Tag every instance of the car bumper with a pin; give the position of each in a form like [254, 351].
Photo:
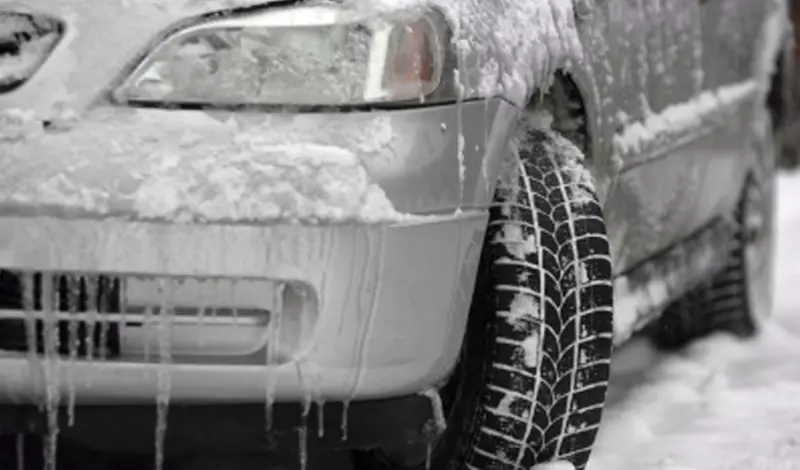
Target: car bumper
[368, 309]
[383, 307]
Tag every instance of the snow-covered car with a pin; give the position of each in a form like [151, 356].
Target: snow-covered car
[411, 229]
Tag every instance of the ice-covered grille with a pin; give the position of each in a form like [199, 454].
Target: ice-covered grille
[112, 316]
[74, 295]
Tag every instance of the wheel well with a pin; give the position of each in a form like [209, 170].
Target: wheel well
[565, 103]
[776, 103]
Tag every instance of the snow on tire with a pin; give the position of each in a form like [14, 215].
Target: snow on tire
[552, 295]
[531, 382]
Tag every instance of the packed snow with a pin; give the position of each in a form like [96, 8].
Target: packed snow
[721, 403]
[676, 120]
[236, 172]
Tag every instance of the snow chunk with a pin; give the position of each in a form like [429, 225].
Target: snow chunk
[302, 181]
[504, 406]
[236, 171]
[531, 347]
[516, 243]
[560, 465]
[523, 306]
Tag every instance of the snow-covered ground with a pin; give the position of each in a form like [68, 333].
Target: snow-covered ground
[721, 404]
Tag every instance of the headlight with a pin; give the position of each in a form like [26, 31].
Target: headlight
[301, 56]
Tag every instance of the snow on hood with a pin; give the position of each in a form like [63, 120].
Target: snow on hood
[234, 171]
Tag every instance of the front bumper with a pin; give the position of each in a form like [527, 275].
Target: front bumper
[385, 307]
[372, 309]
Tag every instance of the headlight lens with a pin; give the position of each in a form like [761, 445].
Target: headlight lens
[306, 56]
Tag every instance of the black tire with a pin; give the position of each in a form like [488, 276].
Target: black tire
[531, 384]
[737, 299]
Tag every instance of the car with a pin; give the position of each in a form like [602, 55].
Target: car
[413, 231]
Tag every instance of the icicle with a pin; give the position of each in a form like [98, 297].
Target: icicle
[30, 318]
[91, 314]
[102, 307]
[201, 321]
[437, 409]
[235, 312]
[123, 309]
[148, 331]
[345, 410]
[20, 450]
[165, 322]
[201, 315]
[303, 432]
[273, 349]
[302, 435]
[73, 297]
[320, 417]
[51, 367]
[428, 453]
[368, 324]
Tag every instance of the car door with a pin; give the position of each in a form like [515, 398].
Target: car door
[733, 32]
[646, 57]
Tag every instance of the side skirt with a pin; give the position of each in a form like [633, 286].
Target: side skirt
[643, 292]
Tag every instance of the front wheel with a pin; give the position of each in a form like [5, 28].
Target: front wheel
[531, 382]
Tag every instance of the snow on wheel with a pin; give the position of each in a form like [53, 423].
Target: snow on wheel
[739, 297]
[531, 382]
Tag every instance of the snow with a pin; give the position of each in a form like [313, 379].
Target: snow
[722, 403]
[516, 243]
[531, 347]
[237, 173]
[676, 120]
[511, 47]
[553, 466]
[522, 306]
